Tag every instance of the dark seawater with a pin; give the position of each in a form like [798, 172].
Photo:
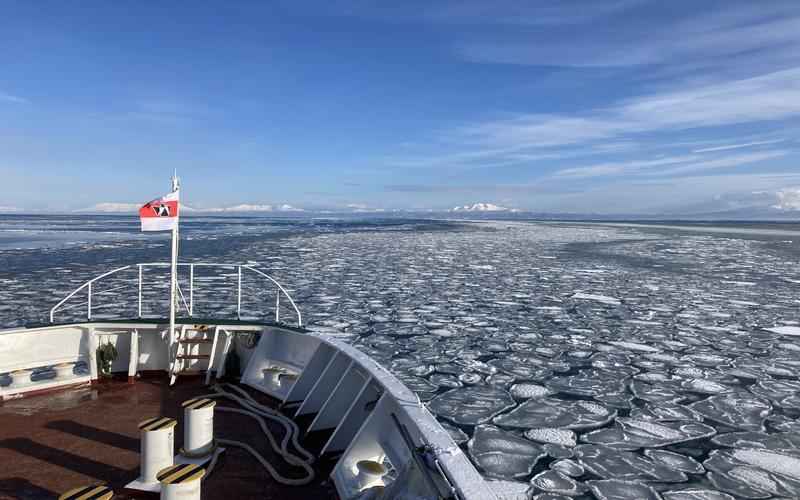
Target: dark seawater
[570, 355]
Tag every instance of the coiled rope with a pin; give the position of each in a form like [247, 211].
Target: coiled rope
[252, 408]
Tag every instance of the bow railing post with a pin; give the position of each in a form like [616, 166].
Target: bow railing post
[239, 295]
[277, 306]
[89, 303]
[140, 290]
[191, 290]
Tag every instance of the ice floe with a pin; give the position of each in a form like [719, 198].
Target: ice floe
[632, 434]
[696, 494]
[555, 413]
[785, 330]
[552, 481]
[739, 410]
[568, 467]
[597, 298]
[502, 454]
[615, 489]
[471, 405]
[563, 437]
[609, 463]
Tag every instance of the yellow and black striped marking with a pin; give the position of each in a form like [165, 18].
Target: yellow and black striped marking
[198, 403]
[157, 423]
[181, 473]
[93, 492]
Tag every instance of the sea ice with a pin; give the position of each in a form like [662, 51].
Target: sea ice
[502, 454]
[779, 463]
[615, 489]
[458, 436]
[471, 405]
[665, 412]
[597, 298]
[558, 451]
[739, 410]
[563, 437]
[587, 383]
[552, 481]
[785, 330]
[705, 386]
[753, 473]
[675, 461]
[696, 494]
[556, 413]
[568, 467]
[609, 463]
[637, 433]
[529, 391]
[633, 346]
[756, 440]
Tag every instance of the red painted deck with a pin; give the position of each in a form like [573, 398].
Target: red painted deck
[54, 442]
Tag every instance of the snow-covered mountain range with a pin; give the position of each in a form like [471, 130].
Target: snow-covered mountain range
[481, 207]
[133, 208]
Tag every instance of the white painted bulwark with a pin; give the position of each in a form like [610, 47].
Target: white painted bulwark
[64, 370]
[373, 416]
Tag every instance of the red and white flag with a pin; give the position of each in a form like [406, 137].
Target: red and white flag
[160, 214]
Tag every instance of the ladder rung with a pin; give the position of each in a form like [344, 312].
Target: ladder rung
[193, 356]
[195, 341]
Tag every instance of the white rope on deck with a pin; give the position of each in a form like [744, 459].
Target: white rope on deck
[252, 408]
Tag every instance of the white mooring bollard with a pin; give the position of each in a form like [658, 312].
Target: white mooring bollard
[198, 427]
[370, 473]
[181, 482]
[157, 446]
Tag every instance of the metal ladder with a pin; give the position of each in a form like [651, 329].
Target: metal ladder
[192, 346]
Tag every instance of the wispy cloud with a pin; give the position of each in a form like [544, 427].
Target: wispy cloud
[675, 165]
[617, 128]
[619, 168]
[762, 33]
[773, 96]
[725, 162]
[12, 98]
[471, 13]
[737, 146]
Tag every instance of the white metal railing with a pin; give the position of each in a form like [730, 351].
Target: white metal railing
[188, 305]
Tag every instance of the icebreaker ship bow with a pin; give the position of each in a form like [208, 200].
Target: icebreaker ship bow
[309, 415]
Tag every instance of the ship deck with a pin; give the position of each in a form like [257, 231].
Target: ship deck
[54, 442]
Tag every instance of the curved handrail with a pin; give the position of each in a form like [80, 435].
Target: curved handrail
[291, 301]
[190, 308]
[87, 284]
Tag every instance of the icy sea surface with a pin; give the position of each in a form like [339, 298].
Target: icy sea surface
[569, 360]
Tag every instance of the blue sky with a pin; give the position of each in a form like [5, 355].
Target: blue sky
[612, 106]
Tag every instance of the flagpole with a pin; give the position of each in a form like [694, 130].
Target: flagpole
[173, 285]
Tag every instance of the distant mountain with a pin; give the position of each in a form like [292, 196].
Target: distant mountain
[481, 207]
[781, 204]
[254, 208]
[116, 208]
